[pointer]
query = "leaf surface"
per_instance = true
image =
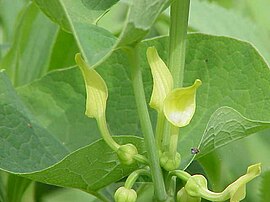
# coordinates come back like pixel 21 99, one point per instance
pixel 141 17
pixel 226 22
pixel 29 56
pixel 55 106
pixel 226 66
pixel 94 42
pixel 225 126
pixel 89 168
pixel 30 150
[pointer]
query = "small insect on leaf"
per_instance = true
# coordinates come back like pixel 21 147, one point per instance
pixel 195 150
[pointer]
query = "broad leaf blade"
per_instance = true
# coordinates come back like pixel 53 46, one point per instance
pixel 141 17
pixel 98 5
pixel 83 11
pixel 94 42
pixel 24 145
pixel 226 66
pixel 9 11
pixel 63 52
pixel 29 56
pixel 226 22
pixel 225 126
pixel 89 168
pixel 58 103
pixel 228 69
pixel 29 150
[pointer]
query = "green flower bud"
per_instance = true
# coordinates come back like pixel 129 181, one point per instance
pixel 123 194
pixel 126 153
pixel 180 104
pixel 182 196
pixel 195 185
pixel 162 79
pixel 96 90
pixel 170 162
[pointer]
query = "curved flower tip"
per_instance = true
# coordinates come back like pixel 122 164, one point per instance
pixel 238 188
pixel 96 89
pixel 180 104
pixel 162 79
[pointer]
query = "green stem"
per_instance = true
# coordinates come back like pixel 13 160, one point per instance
pixel 173 140
pixel 134 176
pixel 141 158
pixel 146 125
pixel 178 35
pixel 103 128
pixel 177 51
pixel 183 175
pixel 160 130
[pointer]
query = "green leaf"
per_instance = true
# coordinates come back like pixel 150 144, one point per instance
pixel 75 17
pixel 29 56
pixel 263 14
pixel 226 22
pixel 16 187
pixel 83 170
pixel 58 103
pixel 63 52
pixel 24 145
pixel 264 187
pixel 38 155
pixel 228 69
pixel 102 5
pixel 141 17
pixel 225 126
pixel 66 12
pixel 9 11
pixel 69 195
pixel 226 66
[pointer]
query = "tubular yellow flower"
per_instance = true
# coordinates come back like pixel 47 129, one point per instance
pixel 96 89
pixel 180 104
pixel 162 79
pixel 196 186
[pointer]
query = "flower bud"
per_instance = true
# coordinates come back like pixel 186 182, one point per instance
pixel 123 194
pixel 182 196
pixel 169 162
pixel 195 185
pixel 126 153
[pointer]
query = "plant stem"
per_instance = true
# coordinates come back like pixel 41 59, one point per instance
pixel 177 49
pixel 178 35
pixel 173 140
pixel 134 176
pixel 160 130
pixel 146 125
pixel 103 128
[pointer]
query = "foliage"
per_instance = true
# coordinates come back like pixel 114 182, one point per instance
pixel 46 137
